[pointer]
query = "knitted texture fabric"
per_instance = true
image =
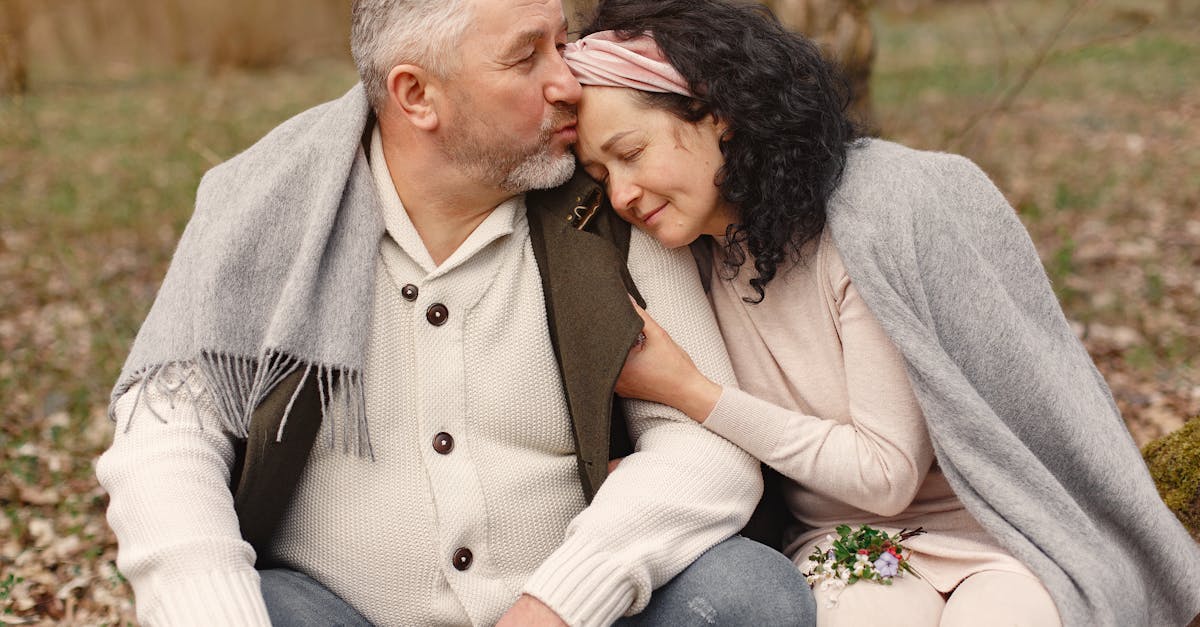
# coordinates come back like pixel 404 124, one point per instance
pixel 1023 424
pixel 826 401
pixel 273 273
pixel 487 377
pixel 382 533
pixel 171 510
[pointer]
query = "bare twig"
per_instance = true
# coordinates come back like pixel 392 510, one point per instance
pixel 1005 100
pixel 1133 31
pixel 206 153
pixel 1001 44
pixel 1021 29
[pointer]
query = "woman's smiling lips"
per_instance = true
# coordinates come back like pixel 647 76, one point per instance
pixel 650 216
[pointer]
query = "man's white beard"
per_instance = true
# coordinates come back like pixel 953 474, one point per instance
pixel 474 147
pixel 541 170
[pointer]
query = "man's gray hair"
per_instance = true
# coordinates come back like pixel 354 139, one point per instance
pixel 387 33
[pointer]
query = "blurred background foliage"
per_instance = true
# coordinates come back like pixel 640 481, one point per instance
pixel 1085 112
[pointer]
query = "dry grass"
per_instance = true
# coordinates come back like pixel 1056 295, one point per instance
pixel 98 167
pixel 96 183
pixel 1100 153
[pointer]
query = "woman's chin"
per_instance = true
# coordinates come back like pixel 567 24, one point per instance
pixel 667 239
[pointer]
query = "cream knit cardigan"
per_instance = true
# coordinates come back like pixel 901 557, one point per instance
pixel 683 491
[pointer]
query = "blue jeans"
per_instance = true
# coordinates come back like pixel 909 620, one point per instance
pixel 737 582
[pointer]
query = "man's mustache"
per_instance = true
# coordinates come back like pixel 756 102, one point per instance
pixel 563 116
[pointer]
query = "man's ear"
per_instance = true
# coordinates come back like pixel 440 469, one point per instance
pixel 414 95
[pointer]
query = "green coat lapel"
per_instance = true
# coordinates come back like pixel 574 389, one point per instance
pixel 592 324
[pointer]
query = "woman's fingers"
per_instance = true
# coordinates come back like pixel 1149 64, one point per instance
pixel 638 308
pixel 650 327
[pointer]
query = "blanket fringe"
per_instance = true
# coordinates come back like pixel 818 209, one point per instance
pixel 237 385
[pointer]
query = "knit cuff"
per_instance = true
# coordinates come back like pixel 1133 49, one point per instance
pixel 754 425
pixel 210 598
pixel 585 586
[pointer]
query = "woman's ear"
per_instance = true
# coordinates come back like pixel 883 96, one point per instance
pixel 414 95
pixel 720 126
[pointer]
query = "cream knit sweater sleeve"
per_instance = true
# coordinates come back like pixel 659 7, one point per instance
pixel 682 491
pixel 167 476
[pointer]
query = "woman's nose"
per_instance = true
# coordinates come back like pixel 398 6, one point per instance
pixel 623 194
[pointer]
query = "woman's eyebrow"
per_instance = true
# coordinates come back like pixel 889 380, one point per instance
pixel 612 140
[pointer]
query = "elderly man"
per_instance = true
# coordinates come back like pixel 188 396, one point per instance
pixel 376 384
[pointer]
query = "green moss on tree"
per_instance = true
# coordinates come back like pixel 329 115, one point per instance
pixel 1174 462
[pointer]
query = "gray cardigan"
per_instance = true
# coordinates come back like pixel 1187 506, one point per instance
pixel 1023 424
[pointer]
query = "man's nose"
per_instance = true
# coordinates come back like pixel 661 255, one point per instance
pixel 562 87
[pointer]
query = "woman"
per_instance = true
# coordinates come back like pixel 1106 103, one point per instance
pixel 904 362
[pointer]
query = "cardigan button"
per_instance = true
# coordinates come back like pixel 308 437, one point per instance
pixel 462 558
pixel 409 292
pixel 437 314
pixel 443 443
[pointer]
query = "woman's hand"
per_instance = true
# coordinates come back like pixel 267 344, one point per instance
pixel 659 370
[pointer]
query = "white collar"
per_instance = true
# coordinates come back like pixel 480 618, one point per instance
pixel 502 221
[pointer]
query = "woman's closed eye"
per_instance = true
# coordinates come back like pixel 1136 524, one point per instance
pixel 598 174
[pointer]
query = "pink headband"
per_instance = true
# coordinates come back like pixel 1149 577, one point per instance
pixel 604 59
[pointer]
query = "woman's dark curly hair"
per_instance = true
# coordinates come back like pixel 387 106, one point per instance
pixel 784 104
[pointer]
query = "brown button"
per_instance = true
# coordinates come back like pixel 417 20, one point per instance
pixel 462 559
pixel 409 292
pixel 437 314
pixel 443 443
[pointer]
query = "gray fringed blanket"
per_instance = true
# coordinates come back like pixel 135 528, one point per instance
pixel 1024 426
pixel 274 273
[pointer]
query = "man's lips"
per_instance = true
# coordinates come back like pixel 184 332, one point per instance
pixel 567 132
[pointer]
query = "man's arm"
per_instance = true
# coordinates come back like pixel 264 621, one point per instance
pixel 167 475
pixel 682 491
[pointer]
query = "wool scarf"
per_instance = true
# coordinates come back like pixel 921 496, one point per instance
pixel 274 274
pixel 1024 426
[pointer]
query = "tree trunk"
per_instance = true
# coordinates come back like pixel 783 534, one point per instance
pixel 843 31
pixel 839 27
pixel 178 32
pixel 14 68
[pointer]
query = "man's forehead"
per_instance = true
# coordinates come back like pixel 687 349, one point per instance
pixel 513 19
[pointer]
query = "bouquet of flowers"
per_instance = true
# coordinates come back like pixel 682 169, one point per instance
pixel 866 554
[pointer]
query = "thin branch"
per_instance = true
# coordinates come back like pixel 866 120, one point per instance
pixel 1021 30
pixel 1001 44
pixel 1005 100
pixel 1104 39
